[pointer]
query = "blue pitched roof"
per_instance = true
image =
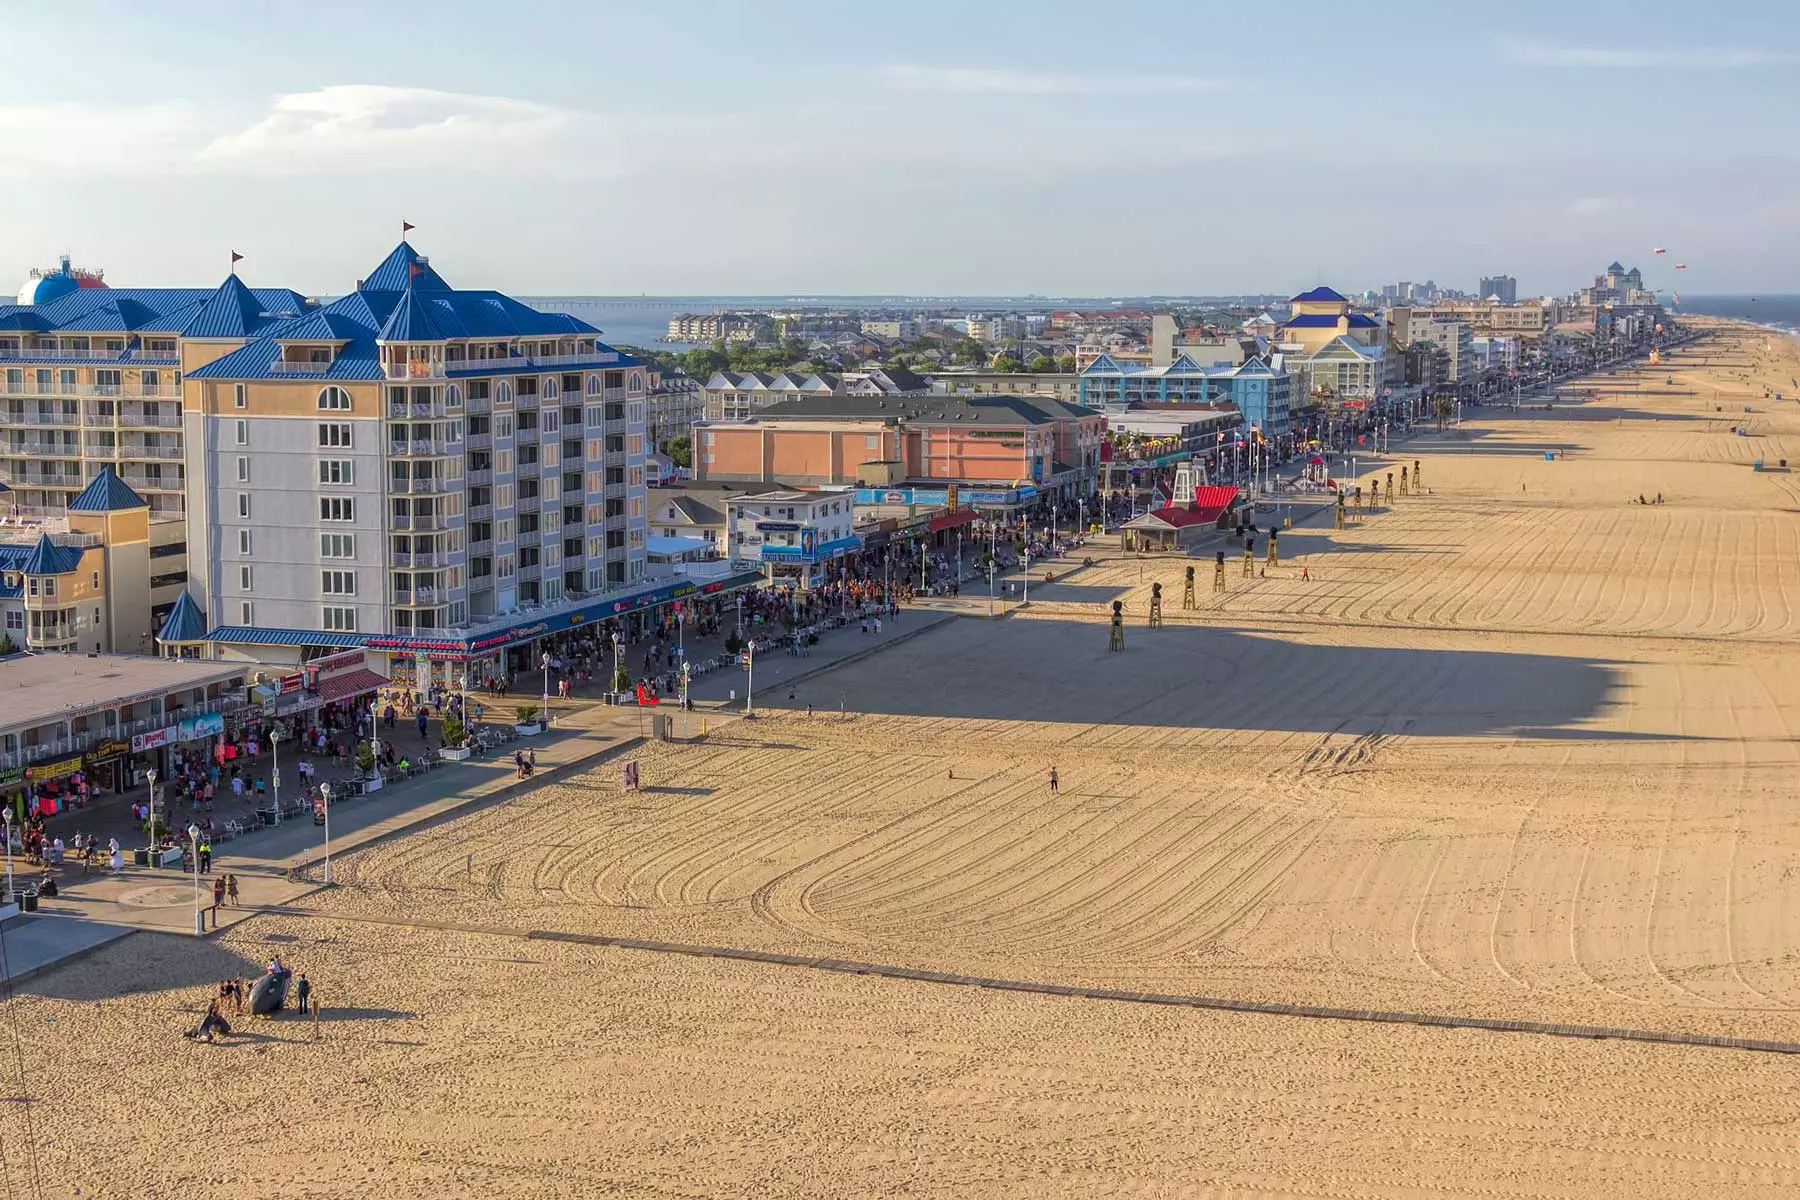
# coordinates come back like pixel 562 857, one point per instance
pixel 48 558
pixel 1312 321
pixel 419 307
pixel 412 321
pixel 401 269
pixel 230 312
pixel 185 622
pixel 140 310
pixel 107 493
pixel 249 635
pixel 1318 293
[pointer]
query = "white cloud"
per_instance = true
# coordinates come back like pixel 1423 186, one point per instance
pixel 1037 83
pixel 1549 54
pixel 1594 206
pixel 372 127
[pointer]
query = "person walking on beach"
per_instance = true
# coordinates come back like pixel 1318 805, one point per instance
pixel 303 993
pixel 231 889
pixel 1053 779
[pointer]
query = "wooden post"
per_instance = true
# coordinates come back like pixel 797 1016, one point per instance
pixel 1219 573
pixel 1187 593
pixel 1156 606
pixel 1274 555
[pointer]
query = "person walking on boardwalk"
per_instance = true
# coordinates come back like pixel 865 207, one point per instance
pixel 231 889
pixel 1053 779
pixel 218 897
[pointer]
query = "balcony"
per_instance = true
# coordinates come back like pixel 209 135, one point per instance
pixel 287 366
pixel 613 458
pixel 117 391
pixel 474 405
pixel 480 512
pixel 144 420
pixel 478 441
pixel 613 491
pixel 487 366
pixel 480 478
pixel 613 393
pixel 42 450
pixel 524 401
pixel 591 358
pixel 428 486
pixel 41 418
pixel 82 356
pixel 528 504
pixel 416 597
pixel 423 448
pixel 141 482
pixel 426 521
pixel 166 453
pixel 414 408
pixel 414 370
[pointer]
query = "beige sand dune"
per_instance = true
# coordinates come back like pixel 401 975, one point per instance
pixel 1520 749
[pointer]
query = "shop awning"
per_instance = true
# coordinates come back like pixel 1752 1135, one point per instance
pixel 350 683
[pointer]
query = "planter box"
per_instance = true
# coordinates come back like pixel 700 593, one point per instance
pixel 449 755
pixel 529 729
pixel 372 783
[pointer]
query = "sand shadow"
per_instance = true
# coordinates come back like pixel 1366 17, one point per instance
pixel 328 1013
pixel 1051 670
pixel 147 961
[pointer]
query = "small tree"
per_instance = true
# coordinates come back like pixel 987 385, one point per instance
pixel 7 645
pixel 621 679
pixel 1066 364
pixel 454 732
pixel 1006 364
pixel 733 643
pixel 527 714
pixel 681 451
pixel 365 757
pixel 1040 364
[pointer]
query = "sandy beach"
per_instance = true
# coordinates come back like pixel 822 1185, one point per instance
pixel 1520 749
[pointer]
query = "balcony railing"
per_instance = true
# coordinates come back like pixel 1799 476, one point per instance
pixel 417 521
pixel 528 504
pixel 428 486
pixel 42 450
pixel 30 355
pixel 418 595
pixel 172 453
pixel 478 441
pixel 415 370
pixel 40 418
pixel 143 420
pixel 481 477
pixel 613 491
pixel 415 408
pixel 480 512
pixel 115 391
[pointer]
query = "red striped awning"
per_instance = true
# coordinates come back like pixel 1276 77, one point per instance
pixel 350 683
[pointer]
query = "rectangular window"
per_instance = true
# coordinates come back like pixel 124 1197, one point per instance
pixel 49 587
pixel 337 583
pixel 334 435
pixel 239 396
pixel 243 465
pixel 243 541
pixel 246 614
pixel 335 471
pixel 503 426
pixel 244 505
pixel 245 578
pixel 15 618
pixel 337 545
pixel 337 508
pixel 243 433
pixel 334 619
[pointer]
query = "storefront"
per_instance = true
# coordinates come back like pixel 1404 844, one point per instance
pixel 462 663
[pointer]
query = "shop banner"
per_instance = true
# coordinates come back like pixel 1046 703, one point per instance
pixel 205 725
pixel 149 741
pixel 53 770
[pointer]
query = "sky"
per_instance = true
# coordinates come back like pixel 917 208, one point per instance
pixel 1054 147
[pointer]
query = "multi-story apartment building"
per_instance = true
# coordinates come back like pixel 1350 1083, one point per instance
pixel 676 401
pixel 1503 288
pixel 443 474
pixel 90 378
pixel 904 329
pixel 1260 389
pixel 1529 320
pixel 1454 338
pixel 1036 442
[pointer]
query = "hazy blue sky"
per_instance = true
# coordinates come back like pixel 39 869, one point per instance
pixel 801 146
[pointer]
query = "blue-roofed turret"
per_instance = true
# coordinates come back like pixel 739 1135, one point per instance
pixel 232 311
pixel 404 268
pixel 107 493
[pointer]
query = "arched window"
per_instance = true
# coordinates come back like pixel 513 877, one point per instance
pixel 503 392
pixel 453 397
pixel 637 382
pixel 334 398
pixel 549 387
pixel 593 385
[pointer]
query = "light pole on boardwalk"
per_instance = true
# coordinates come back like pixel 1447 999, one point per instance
pixel 544 662
pixel 750 683
pixel 11 895
pixel 325 807
pixel 275 770
pixel 193 832
pixel 151 775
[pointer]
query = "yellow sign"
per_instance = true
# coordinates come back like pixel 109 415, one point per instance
pixel 53 770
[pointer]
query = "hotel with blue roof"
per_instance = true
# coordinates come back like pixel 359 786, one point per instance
pixel 435 473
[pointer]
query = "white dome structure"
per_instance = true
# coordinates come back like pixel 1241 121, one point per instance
pixel 50 284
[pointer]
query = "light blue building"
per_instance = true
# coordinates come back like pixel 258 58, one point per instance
pixel 1260 387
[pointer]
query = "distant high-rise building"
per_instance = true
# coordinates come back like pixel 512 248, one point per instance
pixel 1501 287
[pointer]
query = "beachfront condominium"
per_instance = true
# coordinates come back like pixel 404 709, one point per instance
pixel 90 378
pixel 413 468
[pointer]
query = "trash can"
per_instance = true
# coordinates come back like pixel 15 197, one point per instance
pixel 28 900
pixel 141 857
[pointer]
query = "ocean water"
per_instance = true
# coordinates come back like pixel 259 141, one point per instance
pixel 1777 312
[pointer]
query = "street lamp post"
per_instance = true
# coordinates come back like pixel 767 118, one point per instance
pixel 684 698
pixel 193 832
pixel 151 775
pixel 750 682
pixel 10 893
pixel 375 741
pixel 544 662
pixel 275 770
pixel 612 685
pixel 325 806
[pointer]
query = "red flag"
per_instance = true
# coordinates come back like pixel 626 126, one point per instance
pixel 413 269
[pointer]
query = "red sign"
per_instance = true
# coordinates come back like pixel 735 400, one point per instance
pixel 1353 404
